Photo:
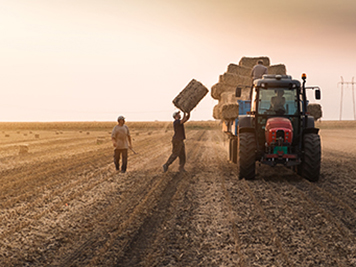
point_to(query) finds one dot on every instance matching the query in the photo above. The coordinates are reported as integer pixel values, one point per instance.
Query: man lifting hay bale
(186, 101)
(178, 146)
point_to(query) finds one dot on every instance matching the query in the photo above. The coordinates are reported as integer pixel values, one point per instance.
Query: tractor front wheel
(247, 155)
(310, 166)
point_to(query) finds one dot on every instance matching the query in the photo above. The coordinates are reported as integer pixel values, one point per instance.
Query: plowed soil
(63, 203)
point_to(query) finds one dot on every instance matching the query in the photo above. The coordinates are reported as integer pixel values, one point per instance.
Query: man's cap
(121, 118)
(176, 113)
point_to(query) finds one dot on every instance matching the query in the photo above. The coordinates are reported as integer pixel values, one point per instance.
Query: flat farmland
(63, 204)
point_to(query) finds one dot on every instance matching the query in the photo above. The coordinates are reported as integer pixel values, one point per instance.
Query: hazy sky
(72, 60)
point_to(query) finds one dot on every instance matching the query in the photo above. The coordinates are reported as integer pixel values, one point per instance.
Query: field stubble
(63, 203)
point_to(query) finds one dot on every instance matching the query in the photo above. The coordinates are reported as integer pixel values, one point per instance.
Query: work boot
(165, 168)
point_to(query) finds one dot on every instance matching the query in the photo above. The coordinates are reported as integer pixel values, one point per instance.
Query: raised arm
(185, 117)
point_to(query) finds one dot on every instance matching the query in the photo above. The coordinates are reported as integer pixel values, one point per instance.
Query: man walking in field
(178, 149)
(121, 140)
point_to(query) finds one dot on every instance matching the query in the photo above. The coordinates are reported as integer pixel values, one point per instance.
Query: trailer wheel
(310, 166)
(247, 155)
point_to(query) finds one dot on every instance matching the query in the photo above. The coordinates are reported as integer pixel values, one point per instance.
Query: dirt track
(63, 204)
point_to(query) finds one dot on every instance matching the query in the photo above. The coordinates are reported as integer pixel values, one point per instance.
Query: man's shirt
(179, 132)
(120, 134)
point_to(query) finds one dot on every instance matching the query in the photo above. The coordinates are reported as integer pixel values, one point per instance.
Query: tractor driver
(278, 102)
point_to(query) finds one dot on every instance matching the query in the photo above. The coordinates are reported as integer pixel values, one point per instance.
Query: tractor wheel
(310, 166)
(234, 150)
(247, 155)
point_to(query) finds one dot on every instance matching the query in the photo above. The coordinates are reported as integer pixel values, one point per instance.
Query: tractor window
(277, 101)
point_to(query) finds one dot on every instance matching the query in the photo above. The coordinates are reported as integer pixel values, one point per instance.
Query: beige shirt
(120, 134)
(257, 71)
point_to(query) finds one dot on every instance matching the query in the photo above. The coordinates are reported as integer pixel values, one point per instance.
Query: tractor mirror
(317, 94)
(238, 92)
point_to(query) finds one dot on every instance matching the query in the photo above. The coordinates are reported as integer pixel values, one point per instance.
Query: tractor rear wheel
(247, 155)
(310, 166)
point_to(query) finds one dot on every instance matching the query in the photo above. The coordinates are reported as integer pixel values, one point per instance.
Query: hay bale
(88, 133)
(219, 88)
(252, 61)
(315, 111)
(217, 111)
(7, 135)
(229, 111)
(277, 69)
(228, 97)
(190, 96)
(100, 140)
(37, 136)
(23, 149)
(239, 70)
(235, 80)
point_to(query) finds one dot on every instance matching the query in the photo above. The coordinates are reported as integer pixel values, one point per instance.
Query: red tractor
(277, 129)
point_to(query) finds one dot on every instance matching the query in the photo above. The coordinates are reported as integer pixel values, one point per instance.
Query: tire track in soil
(68, 197)
(136, 247)
(199, 230)
(257, 246)
(101, 241)
(305, 250)
(337, 244)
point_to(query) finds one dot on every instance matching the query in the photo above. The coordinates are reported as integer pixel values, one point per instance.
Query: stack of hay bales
(238, 76)
(190, 96)
(315, 110)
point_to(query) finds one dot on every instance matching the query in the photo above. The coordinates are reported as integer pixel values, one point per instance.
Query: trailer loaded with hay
(268, 120)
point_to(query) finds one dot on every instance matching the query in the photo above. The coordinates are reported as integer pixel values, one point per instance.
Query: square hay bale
(37, 136)
(23, 149)
(228, 97)
(219, 88)
(230, 111)
(7, 135)
(100, 140)
(239, 70)
(277, 69)
(252, 61)
(217, 111)
(235, 80)
(315, 110)
(190, 96)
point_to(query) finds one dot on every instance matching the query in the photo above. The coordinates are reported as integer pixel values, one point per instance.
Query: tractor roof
(273, 81)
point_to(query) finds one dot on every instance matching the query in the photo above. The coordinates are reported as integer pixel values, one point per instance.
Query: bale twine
(250, 62)
(230, 111)
(190, 96)
(279, 69)
(23, 149)
(315, 110)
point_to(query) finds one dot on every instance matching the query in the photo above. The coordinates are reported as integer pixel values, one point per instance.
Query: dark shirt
(179, 133)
